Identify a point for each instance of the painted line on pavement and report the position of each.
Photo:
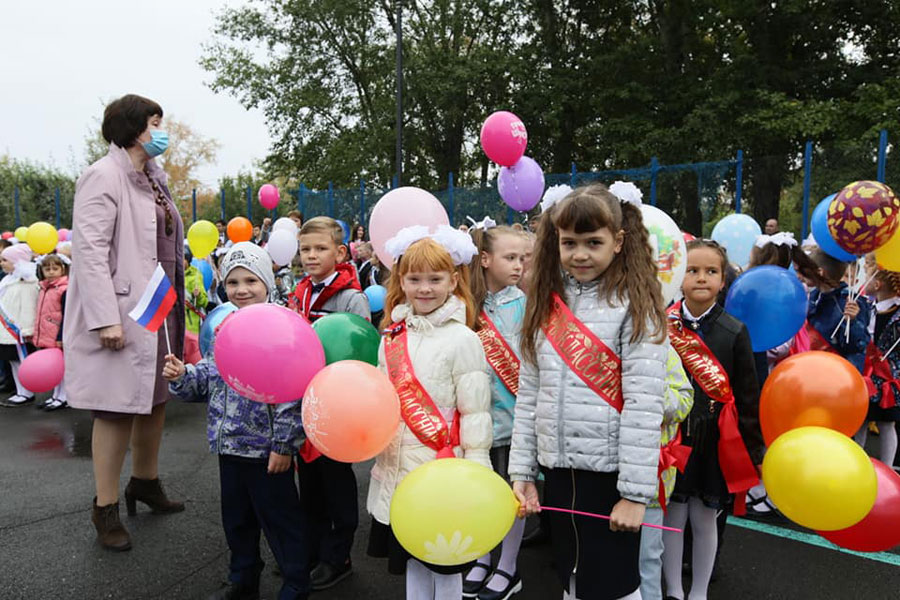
(811, 539)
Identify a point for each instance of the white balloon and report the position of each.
(282, 247)
(669, 250)
(285, 223)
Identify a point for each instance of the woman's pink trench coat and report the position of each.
(114, 237)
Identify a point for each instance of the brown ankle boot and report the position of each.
(110, 532)
(150, 492)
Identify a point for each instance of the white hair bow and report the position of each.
(458, 244)
(782, 238)
(485, 224)
(553, 195)
(627, 192)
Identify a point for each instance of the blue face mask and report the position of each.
(159, 141)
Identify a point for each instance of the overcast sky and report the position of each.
(60, 60)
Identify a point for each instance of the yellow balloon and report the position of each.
(42, 237)
(888, 256)
(203, 237)
(451, 511)
(819, 478)
(21, 233)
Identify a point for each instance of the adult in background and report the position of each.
(124, 224)
(359, 237)
(772, 227)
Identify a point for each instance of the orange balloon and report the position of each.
(240, 229)
(350, 411)
(815, 388)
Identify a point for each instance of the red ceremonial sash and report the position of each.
(877, 365)
(416, 406)
(708, 372)
(499, 355)
(583, 352)
(817, 341)
(194, 309)
(673, 454)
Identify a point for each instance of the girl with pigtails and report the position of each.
(591, 387)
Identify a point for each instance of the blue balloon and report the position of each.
(737, 233)
(205, 270)
(771, 302)
(821, 234)
(376, 295)
(210, 324)
(346, 229)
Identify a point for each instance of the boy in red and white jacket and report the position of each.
(327, 487)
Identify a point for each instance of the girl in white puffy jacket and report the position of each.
(19, 291)
(436, 363)
(591, 387)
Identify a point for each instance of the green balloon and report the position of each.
(346, 336)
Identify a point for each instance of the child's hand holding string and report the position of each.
(173, 369)
(627, 516)
(527, 494)
(278, 463)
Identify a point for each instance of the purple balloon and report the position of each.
(522, 185)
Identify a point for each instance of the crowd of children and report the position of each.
(32, 307)
(549, 357)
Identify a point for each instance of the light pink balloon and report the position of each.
(400, 208)
(268, 353)
(269, 196)
(504, 138)
(63, 234)
(43, 370)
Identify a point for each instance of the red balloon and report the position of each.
(863, 216)
(688, 237)
(880, 529)
(239, 229)
(813, 389)
(350, 411)
(6, 235)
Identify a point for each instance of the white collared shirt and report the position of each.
(327, 282)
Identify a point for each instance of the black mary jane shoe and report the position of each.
(471, 588)
(513, 586)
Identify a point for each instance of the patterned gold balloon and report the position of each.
(863, 216)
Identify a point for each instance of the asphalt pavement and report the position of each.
(48, 548)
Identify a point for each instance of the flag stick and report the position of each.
(166, 325)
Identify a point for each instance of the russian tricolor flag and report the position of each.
(158, 299)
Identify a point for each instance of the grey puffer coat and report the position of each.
(561, 423)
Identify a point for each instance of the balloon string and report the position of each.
(607, 518)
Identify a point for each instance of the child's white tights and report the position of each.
(887, 438)
(509, 557)
(20, 389)
(424, 584)
(703, 528)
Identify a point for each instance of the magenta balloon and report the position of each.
(400, 208)
(504, 138)
(63, 234)
(522, 185)
(43, 370)
(268, 353)
(268, 196)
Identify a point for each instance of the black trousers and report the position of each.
(253, 500)
(328, 490)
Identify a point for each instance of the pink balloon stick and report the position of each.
(596, 516)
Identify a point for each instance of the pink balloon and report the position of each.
(63, 234)
(43, 370)
(269, 196)
(400, 208)
(503, 138)
(6, 235)
(268, 353)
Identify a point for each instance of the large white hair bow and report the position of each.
(485, 224)
(458, 244)
(627, 192)
(782, 238)
(553, 195)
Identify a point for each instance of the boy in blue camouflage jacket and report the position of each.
(255, 443)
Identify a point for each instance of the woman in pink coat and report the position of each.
(124, 224)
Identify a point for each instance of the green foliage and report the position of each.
(37, 193)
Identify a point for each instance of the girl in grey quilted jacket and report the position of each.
(591, 387)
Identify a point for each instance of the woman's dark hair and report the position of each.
(355, 230)
(126, 118)
(783, 256)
